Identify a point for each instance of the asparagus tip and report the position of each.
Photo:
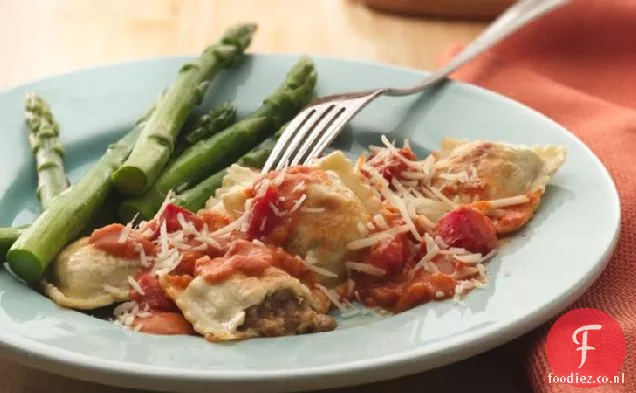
(239, 35)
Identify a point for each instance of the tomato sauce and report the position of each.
(249, 259)
(514, 217)
(392, 167)
(167, 323)
(263, 218)
(214, 220)
(153, 295)
(271, 218)
(403, 287)
(107, 239)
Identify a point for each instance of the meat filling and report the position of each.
(283, 314)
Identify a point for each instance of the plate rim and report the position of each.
(35, 354)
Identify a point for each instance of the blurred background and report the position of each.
(46, 37)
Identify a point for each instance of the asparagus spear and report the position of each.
(209, 124)
(213, 154)
(157, 139)
(8, 236)
(44, 140)
(195, 198)
(68, 214)
(106, 215)
(192, 199)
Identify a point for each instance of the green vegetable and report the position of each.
(68, 214)
(196, 197)
(157, 139)
(104, 216)
(212, 154)
(8, 236)
(209, 124)
(46, 147)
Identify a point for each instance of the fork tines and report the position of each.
(311, 131)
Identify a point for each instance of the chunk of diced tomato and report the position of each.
(153, 295)
(388, 255)
(263, 220)
(170, 216)
(467, 228)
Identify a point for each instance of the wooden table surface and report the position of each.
(39, 38)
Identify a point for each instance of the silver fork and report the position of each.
(316, 126)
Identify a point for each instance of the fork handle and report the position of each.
(521, 13)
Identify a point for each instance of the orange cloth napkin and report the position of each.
(578, 66)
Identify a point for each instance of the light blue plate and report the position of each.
(542, 270)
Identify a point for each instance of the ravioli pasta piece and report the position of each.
(231, 197)
(503, 171)
(247, 306)
(326, 234)
(508, 170)
(336, 206)
(84, 278)
(339, 164)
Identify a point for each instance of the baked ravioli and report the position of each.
(494, 176)
(85, 278)
(312, 213)
(274, 254)
(244, 295)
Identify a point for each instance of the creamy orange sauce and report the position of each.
(168, 323)
(249, 259)
(281, 195)
(107, 239)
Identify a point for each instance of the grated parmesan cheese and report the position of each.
(376, 238)
(455, 251)
(432, 249)
(111, 289)
(298, 187)
(380, 222)
(351, 285)
(478, 284)
(469, 258)
(442, 197)
(441, 243)
(365, 268)
(298, 202)
(275, 210)
(414, 175)
(168, 199)
(125, 313)
(143, 258)
(313, 267)
(163, 236)
(123, 236)
(135, 285)
(236, 224)
(200, 247)
(313, 209)
(507, 202)
(363, 229)
(482, 269)
(394, 151)
(332, 296)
